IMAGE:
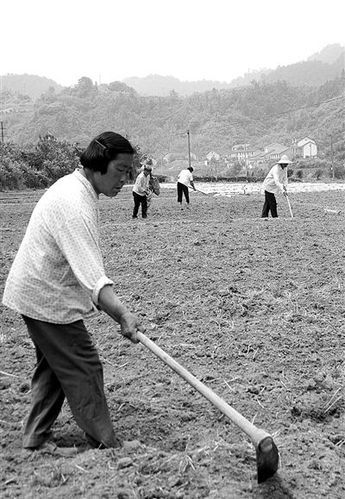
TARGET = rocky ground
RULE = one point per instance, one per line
(253, 308)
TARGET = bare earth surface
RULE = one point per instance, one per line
(254, 308)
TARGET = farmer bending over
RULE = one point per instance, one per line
(276, 181)
(57, 279)
(184, 180)
(141, 191)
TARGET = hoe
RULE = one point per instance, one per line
(289, 205)
(267, 456)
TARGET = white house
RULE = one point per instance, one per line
(275, 151)
(307, 148)
(240, 147)
(271, 153)
(242, 153)
(213, 156)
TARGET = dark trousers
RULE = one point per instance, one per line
(182, 189)
(270, 205)
(139, 200)
(68, 366)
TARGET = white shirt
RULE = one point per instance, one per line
(276, 179)
(185, 177)
(141, 185)
(58, 271)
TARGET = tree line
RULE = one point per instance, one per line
(258, 114)
(38, 165)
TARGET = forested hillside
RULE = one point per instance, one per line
(258, 114)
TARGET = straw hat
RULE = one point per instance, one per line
(284, 160)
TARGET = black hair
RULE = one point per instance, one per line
(103, 149)
(190, 168)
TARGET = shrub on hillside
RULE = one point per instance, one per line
(36, 166)
(11, 174)
(318, 173)
(39, 165)
(33, 179)
(54, 158)
(339, 172)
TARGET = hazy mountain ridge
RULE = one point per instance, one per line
(328, 54)
(162, 86)
(316, 70)
(27, 84)
(159, 85)
(311, 72)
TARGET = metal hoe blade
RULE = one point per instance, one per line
(267, 459)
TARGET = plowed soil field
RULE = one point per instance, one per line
(252, 307)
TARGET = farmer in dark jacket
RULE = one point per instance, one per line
(56, 280)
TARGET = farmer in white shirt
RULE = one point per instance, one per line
(275, 182)
(184, 180)
(141, 191)
(56, 280)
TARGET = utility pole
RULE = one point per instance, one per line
(294, 149)
(2, 131)
(246, 158)
(332, 158)
(189, 158)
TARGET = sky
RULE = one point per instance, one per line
(110, 40)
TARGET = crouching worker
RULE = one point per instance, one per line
(154, 187)
(56, 280)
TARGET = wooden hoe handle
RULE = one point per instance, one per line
(255, 434)
(289, 205)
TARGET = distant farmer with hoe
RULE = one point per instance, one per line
(184, 180)
(141, 190)
(276, 181)
(56, 280)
